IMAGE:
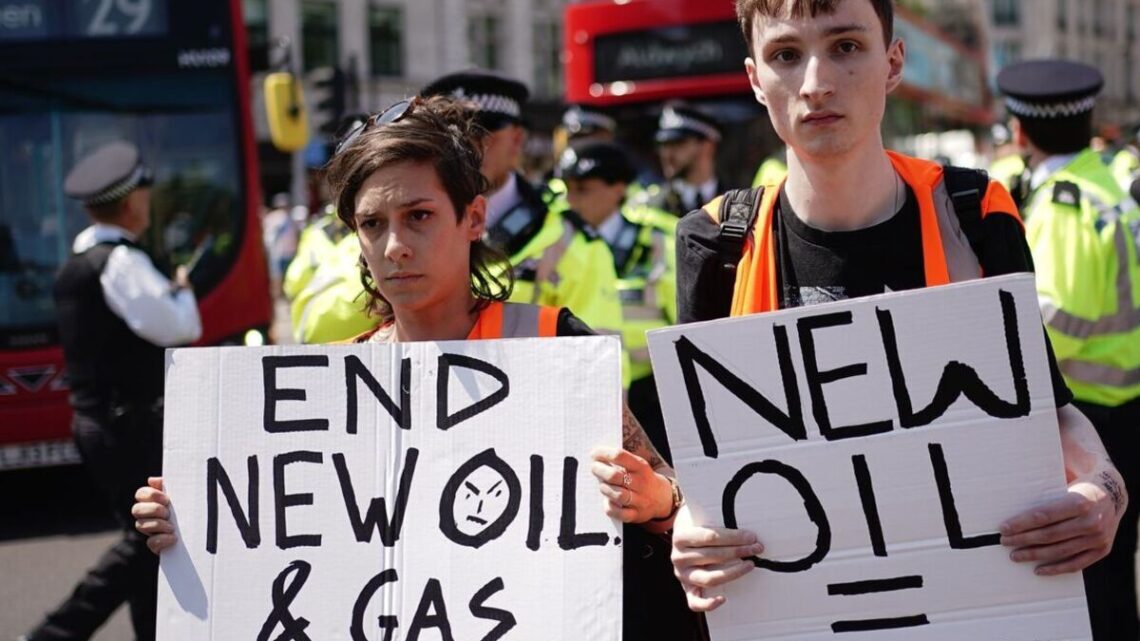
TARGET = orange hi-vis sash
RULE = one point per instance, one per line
(947, 256)
(515, 320)
(499, 320)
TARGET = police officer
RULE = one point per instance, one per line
(116, 314)
(557, 257)
(579, 126)
(1080, 226)
(687, 141)
(1126, 163)
(597, 176)
(640, 239)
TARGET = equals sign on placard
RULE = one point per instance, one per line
(875, 586)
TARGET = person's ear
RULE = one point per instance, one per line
(754, 81)
(475, 218)
(896, 57)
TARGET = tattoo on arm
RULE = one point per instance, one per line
(1114, 490)
(634, 439)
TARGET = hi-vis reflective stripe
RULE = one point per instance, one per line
(1087, 372)
(516, 320)
(1127, 316)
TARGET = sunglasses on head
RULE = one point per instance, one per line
(392, 114)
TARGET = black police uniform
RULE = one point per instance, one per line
(116, 381)
(679, 121)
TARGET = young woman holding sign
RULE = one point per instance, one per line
(408, 181)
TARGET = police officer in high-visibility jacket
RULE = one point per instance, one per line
(317, 241)
(641, 241)
(557, 259)
(1126, 163)
(1082, 229)
(597, 176)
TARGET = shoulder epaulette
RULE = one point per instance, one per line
(581, 225)
(1066, 193)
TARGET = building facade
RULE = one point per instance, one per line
(391, 48)
(1103, 33)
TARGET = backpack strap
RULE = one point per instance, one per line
(966, 188)
(737, 215)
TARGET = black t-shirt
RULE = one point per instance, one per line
(815, 266)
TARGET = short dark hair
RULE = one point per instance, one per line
(746, 11)
(441, 132)
(1059, 135)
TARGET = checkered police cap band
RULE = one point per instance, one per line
(577, 120)
(120, 189)
(492, 103)
(671, 119)
(1052, 110)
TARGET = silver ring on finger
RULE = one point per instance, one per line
(627, 479)
(625, 497)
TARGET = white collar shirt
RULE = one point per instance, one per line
(503, 200)
(139, 294)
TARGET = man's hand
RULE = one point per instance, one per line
(1070, 533)
(705, 557)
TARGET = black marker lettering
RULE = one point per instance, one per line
(250, 528)
(950, 511)
(355, 371)
(870, 507)
(959, 378)
(431, 600)
(505, 619)
(273, 394)
(447, 500)
(283, 500)
(445, 420)
(388, 622)
(537, 513)
(817, 379)
(377, 515)
(791, 423)
(812, 505)
(568, 538)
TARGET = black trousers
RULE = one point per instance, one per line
(120, 453)
(1111, 582)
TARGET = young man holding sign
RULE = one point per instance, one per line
(853, 219)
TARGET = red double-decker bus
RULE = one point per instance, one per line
(627, 56)
(173, 78)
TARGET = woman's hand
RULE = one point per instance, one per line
(634, 492)
(152, 515)
(707, 557)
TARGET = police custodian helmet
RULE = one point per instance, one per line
(106, 175)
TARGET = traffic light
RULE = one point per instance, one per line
(331, 88)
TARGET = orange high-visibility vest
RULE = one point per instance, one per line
(503, 320)
(947, 256)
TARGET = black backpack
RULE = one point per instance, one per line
(739, 207)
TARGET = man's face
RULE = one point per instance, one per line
(593, 198)
(825, 79)
(679, 156)
(138, 210)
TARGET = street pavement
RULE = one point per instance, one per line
(53, 525)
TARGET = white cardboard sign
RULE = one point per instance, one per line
(391, 492)
(875, 445)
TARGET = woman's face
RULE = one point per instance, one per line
(415, 248)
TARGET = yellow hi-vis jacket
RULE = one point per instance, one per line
(316, 243)
(1084, 233)
(331, 306)
(645, 258)
(1126, 167)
